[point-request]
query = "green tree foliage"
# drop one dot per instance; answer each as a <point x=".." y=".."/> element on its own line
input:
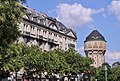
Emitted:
<point x="31" y="57"/>
<point x="100" y="76"/>
<point x="11" y="13"/>
<point x="11" y="59"/>
<point x="116" y="64"/>
<point x="14" y="58"/>
<point x="116" y="71"/>
<point x="54" y="61"/>
<point x="57" y="63"/>
<point x="35" y="61"/>
<point x="76" y="62"/>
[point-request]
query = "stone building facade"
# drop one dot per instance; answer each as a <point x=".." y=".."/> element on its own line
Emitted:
<point x="95" y="48"/>
<point x="46" y="32"/>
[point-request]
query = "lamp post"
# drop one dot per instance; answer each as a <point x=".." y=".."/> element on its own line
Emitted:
<point x="105" y="72"/>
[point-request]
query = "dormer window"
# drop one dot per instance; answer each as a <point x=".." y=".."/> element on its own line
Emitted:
<point x="32" y="18"/>
<point x="38" y="21"/>
<point x="53" y="26"/>
<point x="35" y="18"/>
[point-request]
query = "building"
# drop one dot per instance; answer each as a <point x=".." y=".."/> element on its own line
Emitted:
<point x="46" y="32"/>
<point x="95" y="48"/>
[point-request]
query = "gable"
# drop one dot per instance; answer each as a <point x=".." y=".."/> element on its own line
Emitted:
<point x="71" y="34"/>
<point x="26" y="17"/>
<point x="53" y="26"/>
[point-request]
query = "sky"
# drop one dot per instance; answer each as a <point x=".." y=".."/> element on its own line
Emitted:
<point x="83" y="16"/>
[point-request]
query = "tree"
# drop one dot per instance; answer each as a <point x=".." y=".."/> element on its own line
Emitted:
<point x="100" y="75"/>
<point x="116" y="64"/>
<point x="76" y="62"/>
<point x="57" y="63"/>
<point x="31" y="55"/>
<point x="11" y="60"/>
<point x="116" y="70"/>
<point x="15" y="56"/>
<point x="35" y="61"/>
<point x="11" y="13"/>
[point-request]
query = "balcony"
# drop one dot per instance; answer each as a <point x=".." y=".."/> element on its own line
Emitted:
<point x="51" y="40"/>
<point x="40" y="37"/>
<point x="44" y="38"/>
<point x="26" y="33"/>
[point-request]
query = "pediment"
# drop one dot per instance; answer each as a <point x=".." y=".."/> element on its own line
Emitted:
<point x="71" y="34"/>
<point x="26" y="17"/>
<point x="53" y="26"/>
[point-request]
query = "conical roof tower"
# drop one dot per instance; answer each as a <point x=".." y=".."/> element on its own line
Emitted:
<point x="94" y="35"/>
<point x="95" y="47"/>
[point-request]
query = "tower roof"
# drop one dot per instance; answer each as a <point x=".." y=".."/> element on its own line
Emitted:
<point x="95" y="35"/>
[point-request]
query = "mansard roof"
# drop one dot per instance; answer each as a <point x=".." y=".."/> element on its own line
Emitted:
<point x="95" y="35"/>
<point x="43" y="19"/>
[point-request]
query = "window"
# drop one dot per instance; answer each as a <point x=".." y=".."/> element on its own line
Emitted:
<point x="65" y="38"/>
<point x="32" y="18"/>
<point x="74" y="40"/>
<point x="39" y="43"/>
<point x="44" y="33"/>
<point x="60" y="45"/>
<point x="55" y="35"/>
<point x="60" y="36"/>
<point x="44" y="45"/>
<point x="32" y="40"/>
<point x="50" y="33"/>
<point x="71" y="45"/>
<point x="53" y="26"/>
<point x="26" y="40"/>
<point x="51" y="46"/>
<point x="38" y="21"/>
<point x="95" y="57"/>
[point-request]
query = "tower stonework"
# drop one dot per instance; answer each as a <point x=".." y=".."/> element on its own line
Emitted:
<point x="95" y="48"/>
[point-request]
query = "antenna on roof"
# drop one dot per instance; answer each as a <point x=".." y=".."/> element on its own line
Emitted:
<point x="94" y="28"/>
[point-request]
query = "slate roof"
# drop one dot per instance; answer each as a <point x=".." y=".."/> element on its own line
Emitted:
<point x="39" y="16"/>
<point x="95" y="35"/>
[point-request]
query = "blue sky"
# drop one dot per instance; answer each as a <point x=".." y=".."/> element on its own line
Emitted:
<point x="85" y="15"/>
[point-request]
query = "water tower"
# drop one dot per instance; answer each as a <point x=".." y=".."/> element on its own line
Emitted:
<point x="95" y="48"/>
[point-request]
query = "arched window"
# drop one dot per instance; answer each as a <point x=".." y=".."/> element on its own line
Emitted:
<point x="28" y="28"/>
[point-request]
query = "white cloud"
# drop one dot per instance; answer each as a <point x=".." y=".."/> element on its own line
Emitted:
<point x="75" y="15"/>
<point x="112" y="56"/>
<point x="114" y="8"/>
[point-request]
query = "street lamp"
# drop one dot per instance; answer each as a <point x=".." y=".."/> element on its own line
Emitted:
<point x="105" y="67"/>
